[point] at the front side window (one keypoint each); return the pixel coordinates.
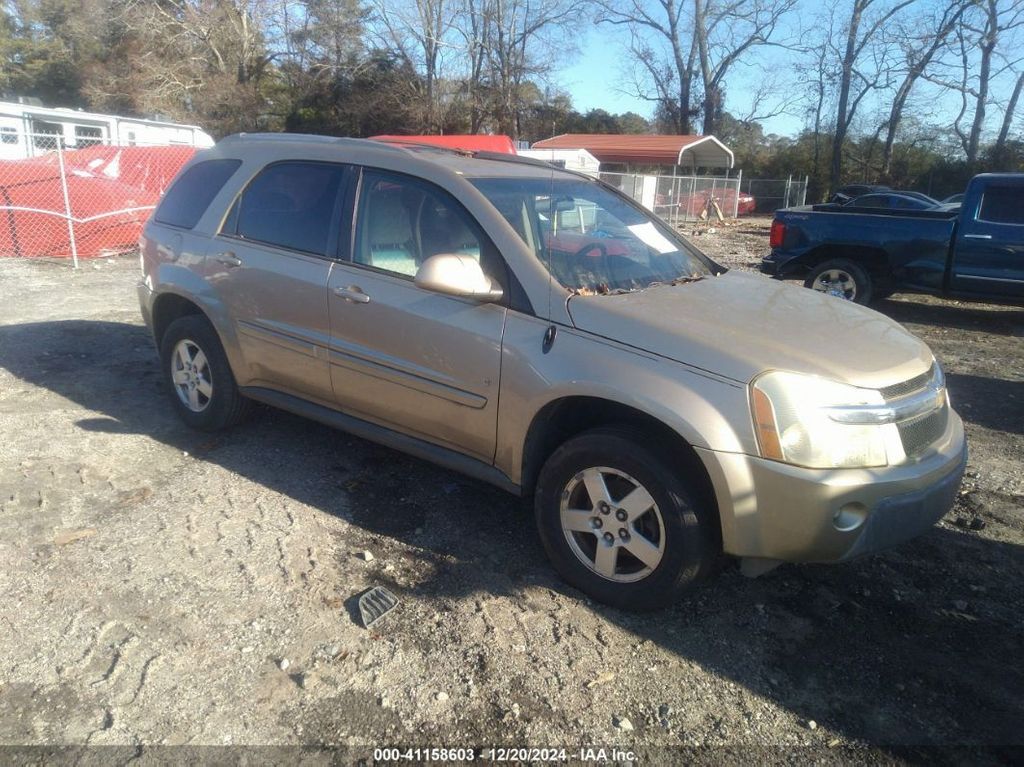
(403, 222)
(290, 205)
(189, 197)
(1002, 205)
(590, 239)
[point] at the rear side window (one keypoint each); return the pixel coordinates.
(186, 201)
(290, 205)
(1002, 205)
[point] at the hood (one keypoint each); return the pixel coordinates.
(740, 324)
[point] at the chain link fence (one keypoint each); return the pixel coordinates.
(85, 202)
(772, 194)
(679, 199)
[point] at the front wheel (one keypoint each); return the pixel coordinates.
(622, 523)
(842, 278)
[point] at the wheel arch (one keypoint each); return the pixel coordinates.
(874, 260)
(168, 307)
(565, 417)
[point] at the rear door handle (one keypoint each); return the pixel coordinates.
(352, 293)
(977, 236)
(228, 259)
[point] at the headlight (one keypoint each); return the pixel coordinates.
(822, 424)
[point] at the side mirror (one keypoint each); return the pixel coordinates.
(456, 275)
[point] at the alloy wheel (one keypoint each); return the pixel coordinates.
(612, 524)
(190, 374)
(836, 282)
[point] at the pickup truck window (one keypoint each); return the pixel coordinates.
(1002, 205)
(290, 205)
(186, 201)
(588, 238)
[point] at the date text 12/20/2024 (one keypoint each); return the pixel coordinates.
(586, 754)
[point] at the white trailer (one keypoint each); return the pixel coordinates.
(27, 131)
(571, 159)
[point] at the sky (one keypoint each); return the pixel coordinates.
(597, 80)
(597, 77)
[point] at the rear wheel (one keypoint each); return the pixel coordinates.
(198, 376)
(842, 278)
(621, 522)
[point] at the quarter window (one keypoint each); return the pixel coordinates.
(1002, 205)
(403, 222)
(9, 135)
(290, 205)
(188, 198)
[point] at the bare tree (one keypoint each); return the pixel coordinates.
(999, 17)
(858, 77)
(671, 76)
(918, 51)
(725, 33)
(1008, 115)
(987, 46)
(473, 25)
(522, 40)
(420, 32)
(675, 40)
(817, 70)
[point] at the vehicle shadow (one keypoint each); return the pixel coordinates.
(1008, 321)
(994, 403)
(920, 646)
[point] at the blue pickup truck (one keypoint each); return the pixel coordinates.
(862, 254)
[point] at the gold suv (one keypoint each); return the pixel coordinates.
(536, 329)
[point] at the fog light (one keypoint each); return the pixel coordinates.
(849, 516)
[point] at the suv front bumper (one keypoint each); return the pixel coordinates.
(772, 510)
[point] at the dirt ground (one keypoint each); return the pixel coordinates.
(164, 587)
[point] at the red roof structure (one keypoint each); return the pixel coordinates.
(636, 149)
(467, 143)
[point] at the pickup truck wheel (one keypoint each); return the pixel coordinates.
(199, 379)
(842, 278)
(620, 523)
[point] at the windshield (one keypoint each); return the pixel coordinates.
(589, 238)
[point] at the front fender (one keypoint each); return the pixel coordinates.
(705, 410)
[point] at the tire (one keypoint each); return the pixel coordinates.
(842, 278)
(206, 398)
(687, 534)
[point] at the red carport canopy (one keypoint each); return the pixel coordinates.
(632, 149)
(467, 143)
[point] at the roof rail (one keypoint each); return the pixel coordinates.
(533, 161)
(413, 144)
(308, 137)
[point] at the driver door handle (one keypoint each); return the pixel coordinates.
(353, 294)
(977, 236)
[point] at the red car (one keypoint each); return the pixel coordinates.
(690, 206)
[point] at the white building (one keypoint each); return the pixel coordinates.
(27, 131)
(571, 159)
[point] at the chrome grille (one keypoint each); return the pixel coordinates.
(909, 386)
(918, 433)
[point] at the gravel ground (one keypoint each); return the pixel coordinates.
(164, 587)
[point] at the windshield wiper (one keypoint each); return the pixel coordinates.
(684, 280)
(677, 281)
